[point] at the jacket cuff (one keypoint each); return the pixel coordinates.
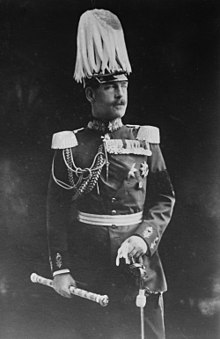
(61, 272)
(147, 252)
(150, 235)
(59, 261)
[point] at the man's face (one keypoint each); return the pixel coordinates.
(110, 100)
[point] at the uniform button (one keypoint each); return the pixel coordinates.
(114, 212)
(114, 227)
(113, 199)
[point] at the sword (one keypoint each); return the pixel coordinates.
(139, 269)
(103, 300)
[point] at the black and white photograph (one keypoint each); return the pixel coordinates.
(109, 169)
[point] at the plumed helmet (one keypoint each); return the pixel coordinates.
(101, 48)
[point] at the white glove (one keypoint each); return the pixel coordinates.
(131, 248)
(62, 283)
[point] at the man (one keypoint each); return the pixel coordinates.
(110, 197)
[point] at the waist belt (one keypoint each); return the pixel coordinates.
(109, 220)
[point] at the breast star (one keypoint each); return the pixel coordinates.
(144, 169)
(131, 173)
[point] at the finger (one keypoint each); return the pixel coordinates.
(73, 283)
(60, 292)
(133, 253)
(66, 293)
(123, 253)
(136, 257)
(119, 256)
(117, 261)
(141, 260)
(126, 256)
(127, 260)
(131, 259)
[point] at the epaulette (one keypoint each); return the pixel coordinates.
(64, 139)
(150, 134)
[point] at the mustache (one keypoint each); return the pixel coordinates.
(120, 102)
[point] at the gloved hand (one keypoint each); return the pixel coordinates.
(62, 283)
(132, 248)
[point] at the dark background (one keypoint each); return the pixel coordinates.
(174, 51)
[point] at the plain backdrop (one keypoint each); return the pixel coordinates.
(174, 51)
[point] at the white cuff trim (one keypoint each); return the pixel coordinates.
(61, 272)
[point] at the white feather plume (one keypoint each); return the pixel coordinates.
(100, 45)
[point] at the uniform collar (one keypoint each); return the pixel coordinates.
(101, 126)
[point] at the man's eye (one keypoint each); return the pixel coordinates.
(108, 87)
(125, 85)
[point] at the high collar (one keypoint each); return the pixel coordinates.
(105, 127)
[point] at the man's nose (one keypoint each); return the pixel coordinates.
(119, 92)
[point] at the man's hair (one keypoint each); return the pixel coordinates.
(92, 82)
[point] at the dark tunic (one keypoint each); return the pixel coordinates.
(89, 251)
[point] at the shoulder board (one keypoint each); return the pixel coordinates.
(64, 139)
(150, 134)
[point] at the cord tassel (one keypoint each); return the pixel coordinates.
(97, 187)
(106, 158)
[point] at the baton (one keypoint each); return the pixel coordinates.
(100, 299)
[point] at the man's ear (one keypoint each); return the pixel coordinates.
(90, 94)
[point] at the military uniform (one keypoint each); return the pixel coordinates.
(108, 182)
